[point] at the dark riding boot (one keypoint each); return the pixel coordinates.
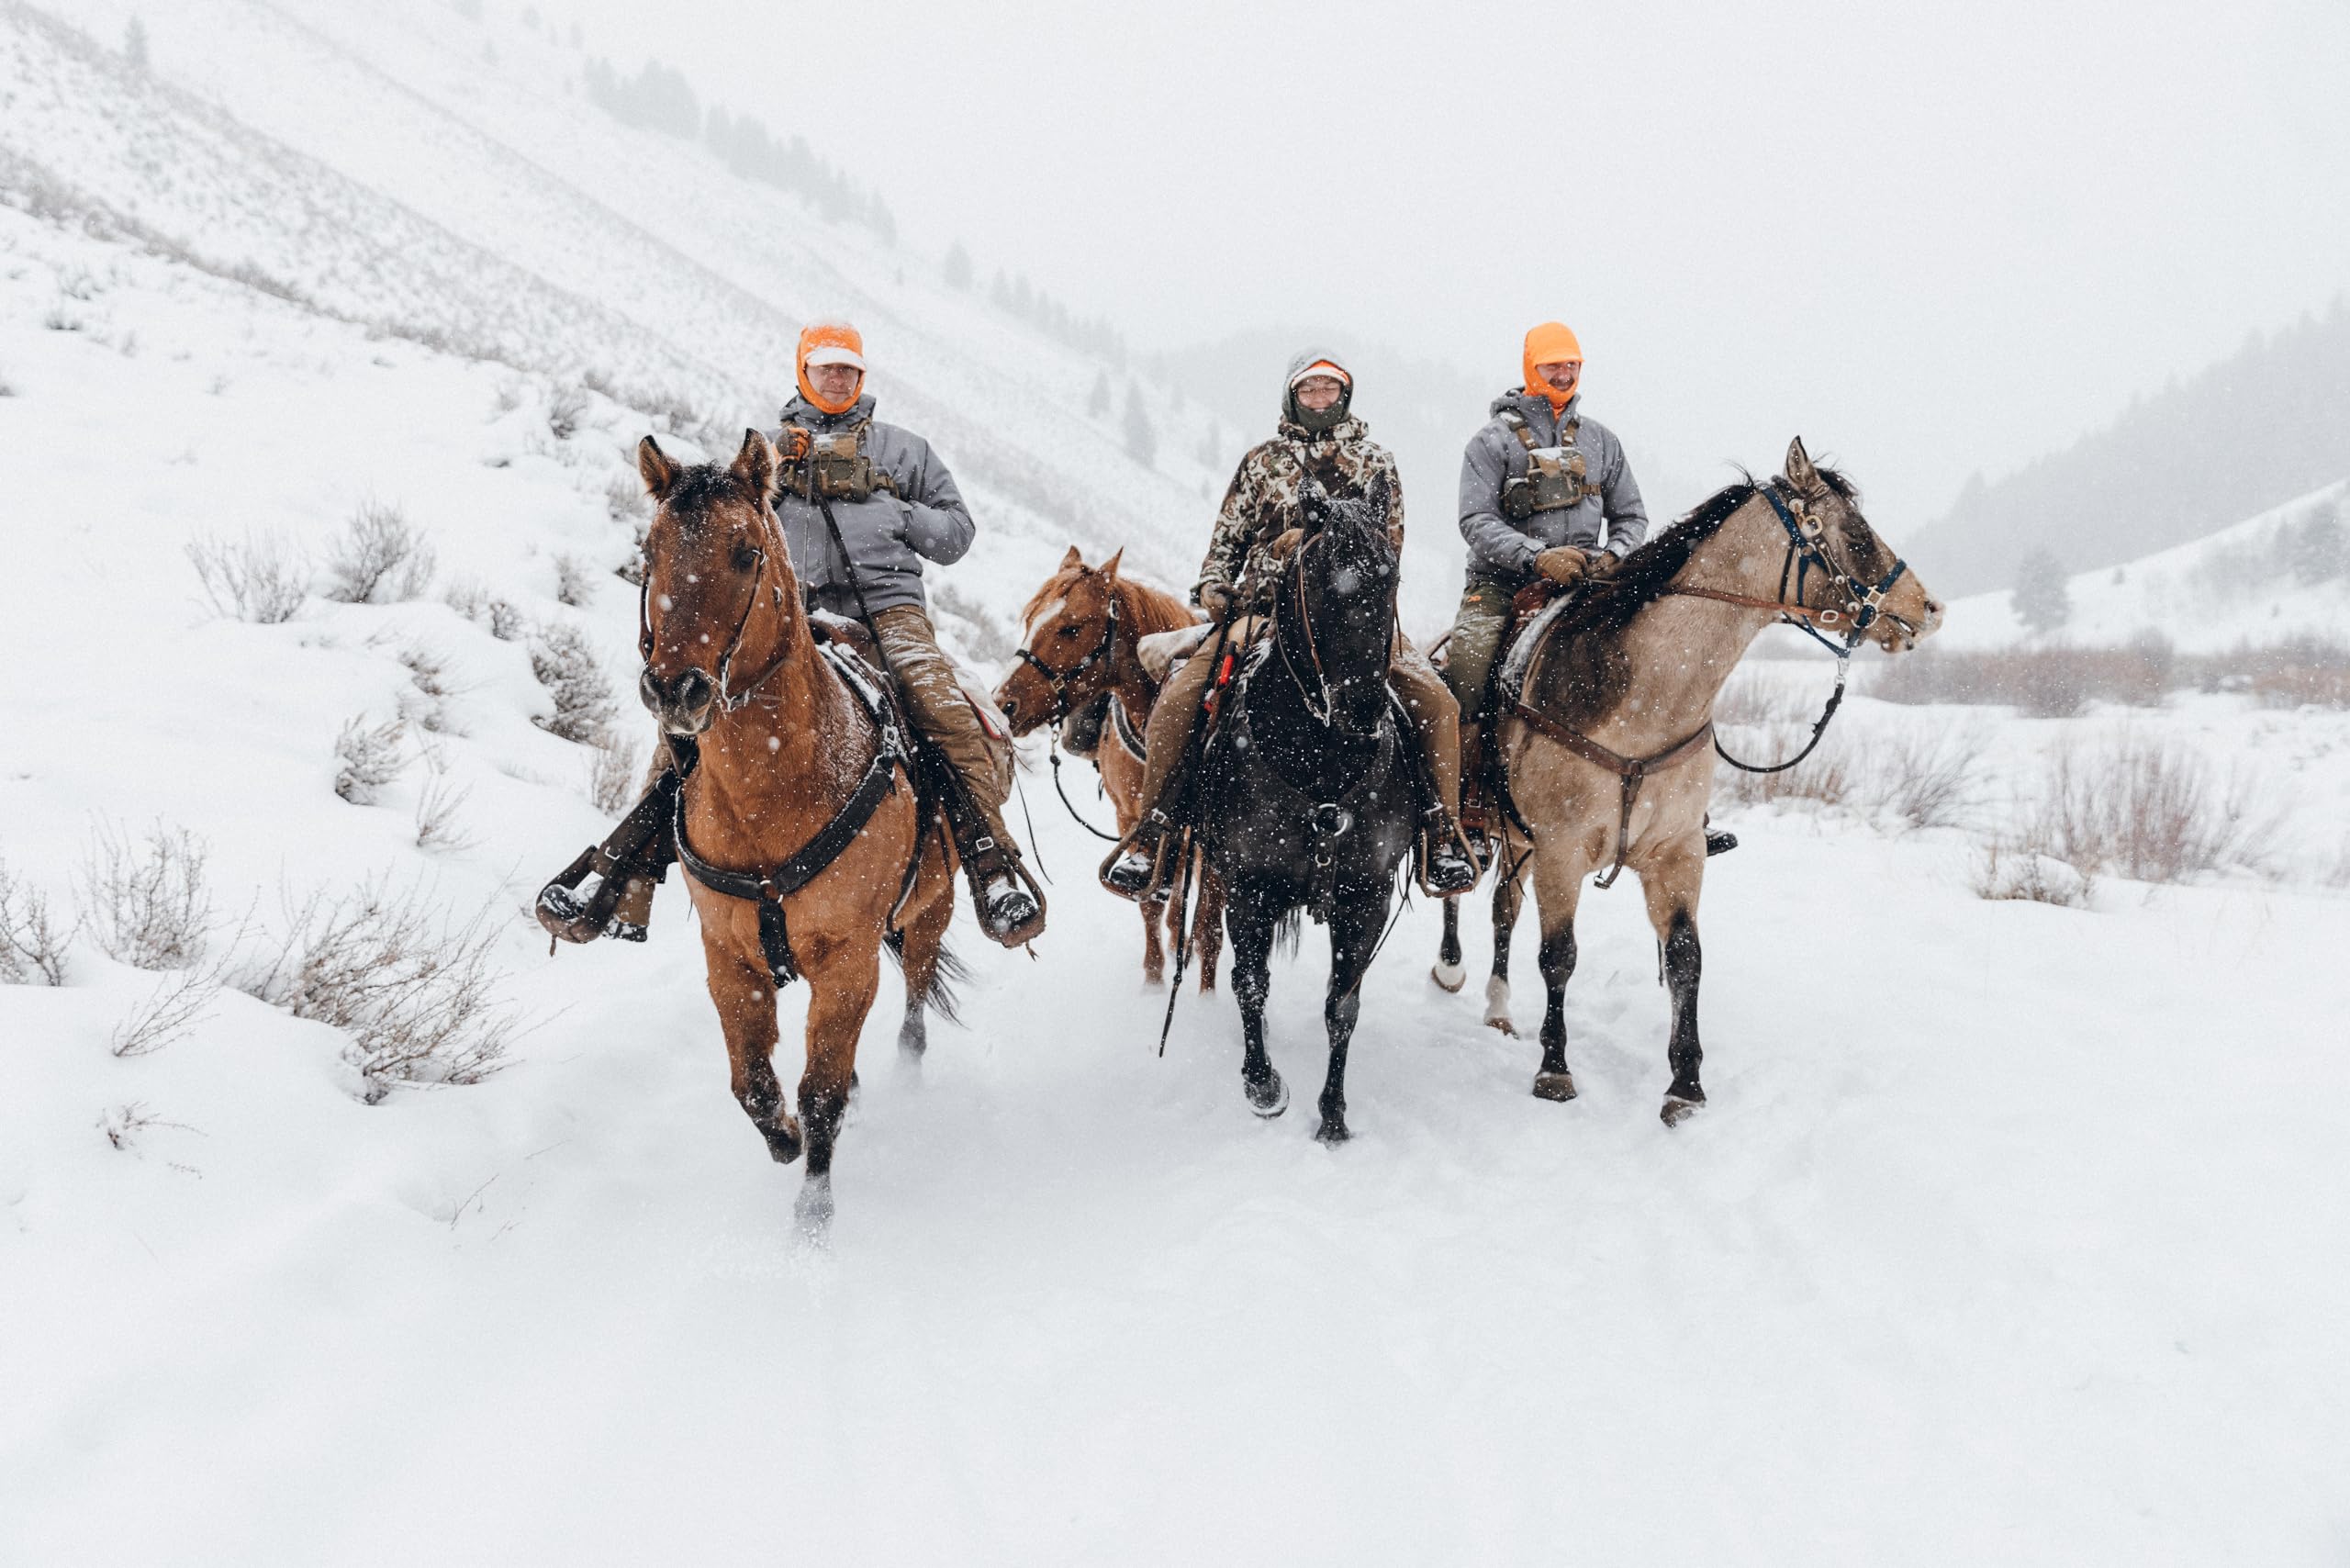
(1446, 865)
(1135, 873)
(1008, 902)
(1082, 731)
(633, 860)
(1719, 841)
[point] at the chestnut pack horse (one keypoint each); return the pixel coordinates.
(1609, 738)
(804, 844)
(1082, 635)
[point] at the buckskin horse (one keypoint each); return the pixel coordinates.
(1308, 801)
(805, 847)
(1607, 737)
(1081, 639)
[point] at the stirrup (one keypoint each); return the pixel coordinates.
(1006, 900)
(1442, 840)
(1719, 841)
(621, 906)
(1131, 870)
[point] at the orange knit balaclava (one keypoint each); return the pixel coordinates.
(830, 342)
(1548, 344)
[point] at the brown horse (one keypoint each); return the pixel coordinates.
(1082, 629)
(792, 746)
(1607, 746)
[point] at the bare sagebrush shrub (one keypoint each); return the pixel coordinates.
(469, 599)
(417, 991)
(171, 1010)
(437, 827)
(612, 780)
(573, 585)
(985, 636)
(2297, 672)
(2046, 683)
(379, 557)
(2013, 869)
(565, 665)
(1749, 699)
(370, 756)
(566, 408)
(1927, 777)
(506, 622)
(146, 901)
(1825, 775)
(625, 501)
(260, 578)
(2154, 811)
(32, 942)
(61, 320)
(431, 688)
(123, 1124)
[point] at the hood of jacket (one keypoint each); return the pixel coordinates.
(1330, 418)
(1536, 410)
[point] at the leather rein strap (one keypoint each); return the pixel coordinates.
(1058, 681)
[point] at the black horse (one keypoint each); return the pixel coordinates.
(1309, 799)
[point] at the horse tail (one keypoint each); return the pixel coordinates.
(1289, 930)
(946, 972)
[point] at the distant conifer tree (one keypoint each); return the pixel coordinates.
(1142, 441)
(1097, 402)
(2043, 602)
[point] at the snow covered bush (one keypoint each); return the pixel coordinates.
(7, 387)
(1825, 775)
(565, 665)
(379, 557)
(32, 943)
(1926, 776)
(612, 776)
(2013, 869)
(567, 407)
(418, 995)
(260, 578)
(625, 501)
(146, 901)
(437, 827)
(370, 757)
(573, 585)
(177, 1004)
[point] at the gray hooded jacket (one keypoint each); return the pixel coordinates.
(889, 537)
(1504, 547)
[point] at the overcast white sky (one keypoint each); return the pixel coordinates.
(1930, 239)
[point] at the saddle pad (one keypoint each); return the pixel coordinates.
(1529, 637)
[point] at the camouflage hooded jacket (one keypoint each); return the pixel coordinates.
(1265, 501)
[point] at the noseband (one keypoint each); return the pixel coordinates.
(729, 700)
(1060, 680)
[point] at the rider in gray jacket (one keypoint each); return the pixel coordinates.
(890, 532)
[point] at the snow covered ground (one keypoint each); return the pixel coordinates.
(2013, 1233)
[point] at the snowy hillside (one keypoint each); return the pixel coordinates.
(2283, 574)
(2013, 1233)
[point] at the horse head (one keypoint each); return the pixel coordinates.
(714, 558)
(1827, 511)
(1337, 609)
(1068, 653)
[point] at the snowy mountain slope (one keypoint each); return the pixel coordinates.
(687, 281)
(2248, 584)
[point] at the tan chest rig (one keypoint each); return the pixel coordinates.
(830, 467)
(1554, 476)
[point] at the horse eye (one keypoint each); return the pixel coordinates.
(1069, 631)
(746, 557)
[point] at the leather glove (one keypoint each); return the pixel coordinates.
(1285, 543)
(1216, 599)
(1603, 566)
(1562, 564)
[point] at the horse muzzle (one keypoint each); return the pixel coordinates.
(684, 705)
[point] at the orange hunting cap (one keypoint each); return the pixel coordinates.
(830, 342)
(1552, 342)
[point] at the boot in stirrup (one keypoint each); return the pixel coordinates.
(1446, 865)
(1010, 908)
(620, 905)
(1134, 874)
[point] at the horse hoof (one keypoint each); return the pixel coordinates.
(1332, 1132)
(1558, 1086)
(783, 1143)
(1269, 1097)
(1448, 977)
(1677, 1109)
(1501, 1022)
(1497, 1007)
(812, 1210)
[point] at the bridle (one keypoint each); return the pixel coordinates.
(1806, 549)
(1059, 681)
(1295, 573)
(729, 700)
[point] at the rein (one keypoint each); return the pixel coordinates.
(1296, 575)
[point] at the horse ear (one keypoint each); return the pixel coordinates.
(1074, 558)
(1800, 473)
(1110, 567)
(653, 466)
(755, 465)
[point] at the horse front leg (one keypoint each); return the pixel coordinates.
(745, 1002)
(1154, 955)
(1250, 924)
(1509, 897)
(1448, 973)
(1671, 890)
(1558, 886)
(841, 987)
(1354, 936)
